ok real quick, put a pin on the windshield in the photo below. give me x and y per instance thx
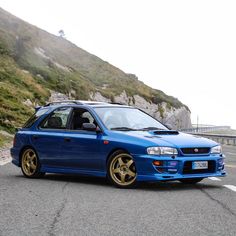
(120, 118)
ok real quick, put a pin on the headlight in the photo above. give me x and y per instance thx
(216, 150)
(162, 151)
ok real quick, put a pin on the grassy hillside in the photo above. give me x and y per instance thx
(16, 86)
(33, 61)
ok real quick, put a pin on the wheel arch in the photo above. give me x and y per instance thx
(115, 150)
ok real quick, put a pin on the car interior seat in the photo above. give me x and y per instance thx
(55, 122)
(78, 121)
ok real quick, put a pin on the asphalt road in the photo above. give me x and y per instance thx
(73, 205)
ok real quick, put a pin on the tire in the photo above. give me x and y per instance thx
(30, 165)
(191, 181)
(121, 170)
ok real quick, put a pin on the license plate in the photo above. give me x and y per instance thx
(198, 165)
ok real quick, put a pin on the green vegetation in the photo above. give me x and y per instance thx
(33, 62)
(16, 87)
(4, 140)
(3, 49)
(161, 110)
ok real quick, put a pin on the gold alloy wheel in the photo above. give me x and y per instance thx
(122, 169)
(29, 162)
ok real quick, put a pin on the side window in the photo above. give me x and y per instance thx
(58, 119)
(35, 117)
(88, 117)
(79, 117)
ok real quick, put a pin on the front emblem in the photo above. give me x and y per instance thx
(195, 150)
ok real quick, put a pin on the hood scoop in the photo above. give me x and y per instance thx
(166, 132)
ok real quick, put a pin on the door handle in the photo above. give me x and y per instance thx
(67, 139)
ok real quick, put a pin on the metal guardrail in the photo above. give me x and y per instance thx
(222, 139)
(205, 129)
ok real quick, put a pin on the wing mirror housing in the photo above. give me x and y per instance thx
(91, 127)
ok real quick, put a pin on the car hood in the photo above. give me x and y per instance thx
(174, 139)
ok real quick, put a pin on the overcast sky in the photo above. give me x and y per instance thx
(185, 48)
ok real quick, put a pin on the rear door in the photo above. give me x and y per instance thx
(48, 140)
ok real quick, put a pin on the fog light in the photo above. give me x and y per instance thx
(158, 163)
(221, 162)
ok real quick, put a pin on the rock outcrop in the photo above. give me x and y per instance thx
(178, 118)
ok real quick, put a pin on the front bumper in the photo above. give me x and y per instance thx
(147, 171)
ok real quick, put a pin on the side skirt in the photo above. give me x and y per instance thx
(58, 170)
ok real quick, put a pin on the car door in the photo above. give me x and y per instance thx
(48, 139)
(81, 148)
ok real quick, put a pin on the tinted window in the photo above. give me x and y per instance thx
(118, 117)
(35, 117)
(58, 119)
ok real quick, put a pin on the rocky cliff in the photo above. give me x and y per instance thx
(178, 118)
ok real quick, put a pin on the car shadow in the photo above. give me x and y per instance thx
(175, 186)
(77, 179)
(144, 186)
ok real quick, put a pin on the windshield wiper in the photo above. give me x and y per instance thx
(130, 129)
(123, 129)
(151, 128)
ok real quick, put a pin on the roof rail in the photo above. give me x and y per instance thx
(92, 102)
(64, 102)
(77, 102)
(117, 103)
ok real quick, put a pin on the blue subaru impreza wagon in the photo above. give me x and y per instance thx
(116, 141)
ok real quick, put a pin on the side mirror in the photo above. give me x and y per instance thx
(89, 127)
(169, 126)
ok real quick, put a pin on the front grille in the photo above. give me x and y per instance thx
(188, 168)
(195, 151)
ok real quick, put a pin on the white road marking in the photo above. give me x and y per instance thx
(214, 178)
(231, 187)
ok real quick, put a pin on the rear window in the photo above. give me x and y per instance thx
(35, 117)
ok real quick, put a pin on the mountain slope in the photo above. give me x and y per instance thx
(33, 62)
